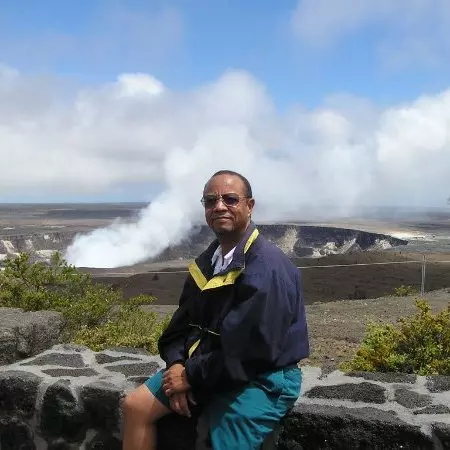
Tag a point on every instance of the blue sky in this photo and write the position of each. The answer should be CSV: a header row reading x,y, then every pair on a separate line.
x,y
342,56
203,39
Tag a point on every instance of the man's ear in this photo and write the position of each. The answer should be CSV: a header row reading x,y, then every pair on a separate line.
x,y
251,204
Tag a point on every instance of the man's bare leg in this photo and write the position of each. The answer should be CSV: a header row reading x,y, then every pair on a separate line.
x,y
141,411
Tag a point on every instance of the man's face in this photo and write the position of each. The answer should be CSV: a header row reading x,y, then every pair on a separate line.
x,y
223,218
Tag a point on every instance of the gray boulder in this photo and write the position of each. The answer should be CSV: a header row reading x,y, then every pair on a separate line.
x,y
62,414
24,334
18,393
327,427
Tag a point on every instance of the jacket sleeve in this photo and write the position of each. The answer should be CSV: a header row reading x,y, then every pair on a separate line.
x,y
252,334
171,344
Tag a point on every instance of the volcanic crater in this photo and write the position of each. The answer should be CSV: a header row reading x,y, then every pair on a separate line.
x,y
294,240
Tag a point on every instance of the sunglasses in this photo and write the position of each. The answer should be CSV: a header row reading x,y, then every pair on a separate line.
x,y
209,201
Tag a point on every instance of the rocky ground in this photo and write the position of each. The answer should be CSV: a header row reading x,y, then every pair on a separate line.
x,y
337,328
340,301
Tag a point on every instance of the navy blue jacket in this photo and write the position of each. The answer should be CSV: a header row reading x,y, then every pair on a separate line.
x,y
248,319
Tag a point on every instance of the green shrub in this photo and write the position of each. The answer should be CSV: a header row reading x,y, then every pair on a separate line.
x,y
418,344
56,286
404,291
94,313
130,327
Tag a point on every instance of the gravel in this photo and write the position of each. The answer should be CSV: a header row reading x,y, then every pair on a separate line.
x,y
336,328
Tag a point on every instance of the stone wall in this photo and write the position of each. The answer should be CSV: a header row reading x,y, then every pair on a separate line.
x,y
67,397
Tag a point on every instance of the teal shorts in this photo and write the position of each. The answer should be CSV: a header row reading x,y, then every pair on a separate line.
x,y
242,418
154,385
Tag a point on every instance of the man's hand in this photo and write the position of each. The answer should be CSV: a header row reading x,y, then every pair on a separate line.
x,y
174,380
179,403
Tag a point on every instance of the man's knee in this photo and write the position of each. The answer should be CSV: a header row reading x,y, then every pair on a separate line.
x,y
132,404
142,406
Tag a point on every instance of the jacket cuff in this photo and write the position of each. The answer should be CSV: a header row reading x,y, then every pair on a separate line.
x,y
191,371
178,361
174,357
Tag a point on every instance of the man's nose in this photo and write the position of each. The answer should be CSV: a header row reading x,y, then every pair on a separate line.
x,y
220,204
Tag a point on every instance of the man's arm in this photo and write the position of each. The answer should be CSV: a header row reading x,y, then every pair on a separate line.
x,y
252,334
171,344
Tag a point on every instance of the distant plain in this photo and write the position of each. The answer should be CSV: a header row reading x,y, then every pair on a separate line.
x,y
428,233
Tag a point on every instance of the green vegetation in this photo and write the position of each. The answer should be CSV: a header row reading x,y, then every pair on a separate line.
x,y
418,344
404,291
128,326
95,314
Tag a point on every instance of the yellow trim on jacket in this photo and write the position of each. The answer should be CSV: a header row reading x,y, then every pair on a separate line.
x,y
219,280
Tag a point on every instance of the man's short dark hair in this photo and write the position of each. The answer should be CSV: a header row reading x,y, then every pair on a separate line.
x,y
248,188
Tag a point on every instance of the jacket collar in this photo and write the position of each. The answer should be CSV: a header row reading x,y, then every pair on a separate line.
x,y
203,261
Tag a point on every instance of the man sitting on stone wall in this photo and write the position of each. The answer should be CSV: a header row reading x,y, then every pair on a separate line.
x,y
232,347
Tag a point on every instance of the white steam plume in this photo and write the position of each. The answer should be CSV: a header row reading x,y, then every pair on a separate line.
x,y
342,155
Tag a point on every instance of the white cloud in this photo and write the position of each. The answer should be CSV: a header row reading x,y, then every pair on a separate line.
x,y
408,32
136,130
